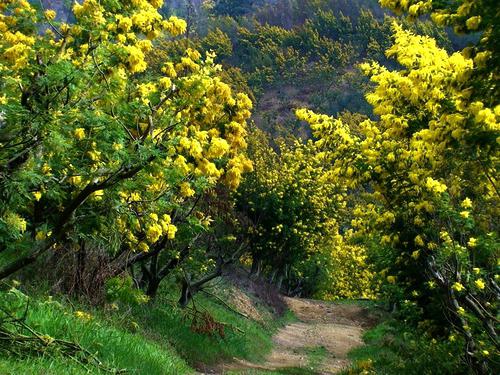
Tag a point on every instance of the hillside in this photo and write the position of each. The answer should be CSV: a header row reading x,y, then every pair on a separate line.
x,y
145,338
282,45
317,31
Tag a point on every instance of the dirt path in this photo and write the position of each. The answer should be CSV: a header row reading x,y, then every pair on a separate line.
x,y
319,342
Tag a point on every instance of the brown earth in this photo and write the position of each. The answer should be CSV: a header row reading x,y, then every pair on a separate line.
x,y
333,328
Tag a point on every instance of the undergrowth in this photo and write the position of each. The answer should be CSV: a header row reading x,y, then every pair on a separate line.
x,y
392,348
242,337
152,338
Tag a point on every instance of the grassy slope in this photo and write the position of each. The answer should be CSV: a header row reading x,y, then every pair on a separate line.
x,y
115,346
162,344
249,339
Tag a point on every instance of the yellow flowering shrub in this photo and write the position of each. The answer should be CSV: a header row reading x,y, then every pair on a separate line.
x,y
295,208
464,16
97,147
424,174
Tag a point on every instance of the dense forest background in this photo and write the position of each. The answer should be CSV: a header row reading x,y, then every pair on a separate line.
x,y
280,46
272,48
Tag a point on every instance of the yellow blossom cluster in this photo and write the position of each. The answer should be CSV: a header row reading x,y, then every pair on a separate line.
x,y
466,11
348,274
297,206
83,315
465,16
423,173
16,47
16,222
130,148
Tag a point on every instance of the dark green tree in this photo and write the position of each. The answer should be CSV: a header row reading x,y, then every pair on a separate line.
x,y
234,8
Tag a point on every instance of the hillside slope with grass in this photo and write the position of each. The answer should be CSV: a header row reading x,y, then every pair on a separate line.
x,y
241,327
153,338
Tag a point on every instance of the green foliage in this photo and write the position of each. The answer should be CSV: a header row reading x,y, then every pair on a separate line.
x,y
243,338
271,54
219,42
392,348
233,8
122,289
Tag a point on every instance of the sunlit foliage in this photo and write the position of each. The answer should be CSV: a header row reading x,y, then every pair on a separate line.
x,y
296,209
94,146
427,173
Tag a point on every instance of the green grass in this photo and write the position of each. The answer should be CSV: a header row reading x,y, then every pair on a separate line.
x,y
46,366
115,346
147,339
316,356
374,347
392,348
244,338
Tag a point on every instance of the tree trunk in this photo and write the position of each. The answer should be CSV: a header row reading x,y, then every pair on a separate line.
x,y
279,280
81,257
186,295
256,267
273,276
152,289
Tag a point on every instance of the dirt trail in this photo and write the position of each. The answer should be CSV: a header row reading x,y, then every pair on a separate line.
x,y
326,328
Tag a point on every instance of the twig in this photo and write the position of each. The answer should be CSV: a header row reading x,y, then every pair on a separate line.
x,y
225,304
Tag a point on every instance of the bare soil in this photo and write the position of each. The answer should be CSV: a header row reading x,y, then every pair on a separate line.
x,y
333,328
